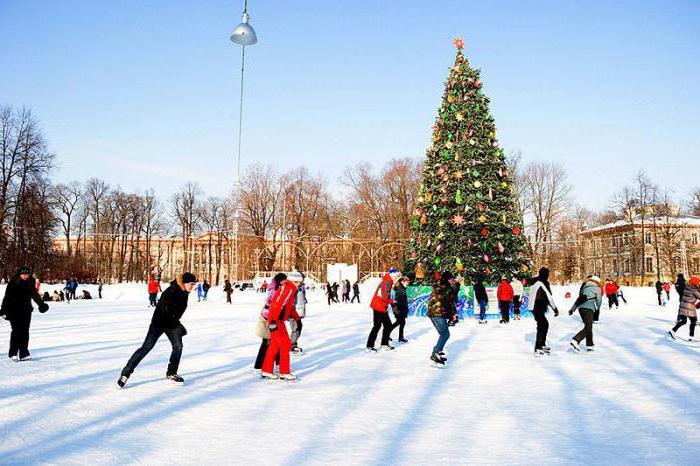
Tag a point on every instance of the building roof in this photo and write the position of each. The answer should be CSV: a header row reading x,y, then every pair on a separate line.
x,y
681,220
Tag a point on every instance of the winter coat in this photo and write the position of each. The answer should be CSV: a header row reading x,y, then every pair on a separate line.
x,y
540,297
171,306
206,287
271,289
153,286
346,287
480,292
356,288
282,304
517,286
680,284
659,287
227,287
300,301
505,292
19,295
382,297
667,287
688,300
593,296
611,289
441,303
400,305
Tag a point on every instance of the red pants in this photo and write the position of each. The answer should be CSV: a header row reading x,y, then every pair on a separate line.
x,y
279,343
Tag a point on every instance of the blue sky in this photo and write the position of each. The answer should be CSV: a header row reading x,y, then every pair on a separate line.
x,y
145,93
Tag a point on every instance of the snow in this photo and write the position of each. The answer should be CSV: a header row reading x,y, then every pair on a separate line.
x,y
633,401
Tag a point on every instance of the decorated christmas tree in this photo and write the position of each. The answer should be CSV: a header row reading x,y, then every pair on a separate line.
x,y
465,220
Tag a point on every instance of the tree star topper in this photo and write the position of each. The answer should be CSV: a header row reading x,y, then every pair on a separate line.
x,y
459,43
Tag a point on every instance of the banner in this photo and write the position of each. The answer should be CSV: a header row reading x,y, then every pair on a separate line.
x,y
418,297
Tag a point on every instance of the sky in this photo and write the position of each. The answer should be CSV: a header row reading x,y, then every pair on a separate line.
x,y
144,94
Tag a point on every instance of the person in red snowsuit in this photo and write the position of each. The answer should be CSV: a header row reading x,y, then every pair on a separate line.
x,y
153,289
380,305
505,294
611,293
281,309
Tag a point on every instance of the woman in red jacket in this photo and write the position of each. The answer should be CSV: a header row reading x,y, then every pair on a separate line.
x,y
505,297
380,304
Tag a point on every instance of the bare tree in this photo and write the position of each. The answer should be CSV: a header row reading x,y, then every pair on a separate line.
x,y
187,212
65,199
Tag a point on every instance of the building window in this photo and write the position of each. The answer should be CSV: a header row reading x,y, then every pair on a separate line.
x,y
694,238
649,266
647,237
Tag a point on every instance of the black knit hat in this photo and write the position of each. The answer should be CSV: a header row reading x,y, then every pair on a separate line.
x,y
23,270
188,277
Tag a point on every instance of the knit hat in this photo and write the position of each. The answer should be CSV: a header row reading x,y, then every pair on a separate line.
x,y
594,278
295,276
23,270
188,277
695,281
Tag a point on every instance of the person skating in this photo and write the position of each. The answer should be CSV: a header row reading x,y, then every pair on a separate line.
x,y
667,289
346,291
680,285
355,292
620,294
228,289
335,292
17,308
262,330
329,293
442,311
205,290
687,311
99,289
539,299
400,307
281,309
379,305
588,301
482,298
166,320
153,290
504,294
611,293
300,303
199,291
518,291
659,290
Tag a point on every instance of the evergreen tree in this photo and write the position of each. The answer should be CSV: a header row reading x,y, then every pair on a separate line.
x,y
465,220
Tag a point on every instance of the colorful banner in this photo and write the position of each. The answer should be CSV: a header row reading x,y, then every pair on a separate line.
x,y
418,297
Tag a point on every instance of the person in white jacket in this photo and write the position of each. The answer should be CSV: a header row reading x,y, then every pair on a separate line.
x,y
518,290
540,298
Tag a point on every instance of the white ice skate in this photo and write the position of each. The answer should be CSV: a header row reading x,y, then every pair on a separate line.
x,y
269,375
288,377
574,345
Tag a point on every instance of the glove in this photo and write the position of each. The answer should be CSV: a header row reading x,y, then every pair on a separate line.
x,y
272,326
43,307
556,313
571,312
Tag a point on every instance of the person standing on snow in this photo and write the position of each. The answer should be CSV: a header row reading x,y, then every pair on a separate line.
x,y
346,291
687,311
261,330
518,290
99,289
680,285
659,290
17,308
281,309
355,292
379,305
166,320
504,294
228,289
300,302
611,294
153,289
199,291
442,311
205,290
667,289
540,298
400,307
588,301
482,298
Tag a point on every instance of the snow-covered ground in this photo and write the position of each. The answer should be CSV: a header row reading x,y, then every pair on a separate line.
x,y
633,401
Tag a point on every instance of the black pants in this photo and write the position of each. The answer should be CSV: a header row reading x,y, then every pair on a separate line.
x,y
587,330
658,295
355,296
330,299
228,297
381,319
516,305
152,298
504,306
400,323
154,333
262,351
622,297
19,337
612,299
596,316
682,321
542,329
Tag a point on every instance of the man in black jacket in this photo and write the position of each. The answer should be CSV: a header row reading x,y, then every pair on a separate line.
x,y
17,308
166,319
481,297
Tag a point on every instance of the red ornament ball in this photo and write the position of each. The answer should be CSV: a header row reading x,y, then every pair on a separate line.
x,y
484,232
516,231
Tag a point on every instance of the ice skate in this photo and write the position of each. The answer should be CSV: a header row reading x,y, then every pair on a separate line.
x,y
288,377
388,348
574,345
176,379
269,375
122,381
437,361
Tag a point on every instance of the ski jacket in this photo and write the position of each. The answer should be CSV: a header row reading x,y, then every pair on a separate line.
x,y
300,301
227,287
690,296
667,287
171,306
153,286
356,288
505,292
659,287
206,287
382,297
480,292
610,289
282,304
517,286
19,295
591,292
400,305
680,284
540,297
441,303
271,289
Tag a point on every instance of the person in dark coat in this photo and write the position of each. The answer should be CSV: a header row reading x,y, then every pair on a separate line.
x,y
355,292
482,298
659,290
680,285
166,320
442,311
17,308
205,289
400,307
687,310
228,289
539,300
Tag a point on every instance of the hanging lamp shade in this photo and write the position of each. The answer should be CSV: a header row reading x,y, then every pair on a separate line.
x,y
244,34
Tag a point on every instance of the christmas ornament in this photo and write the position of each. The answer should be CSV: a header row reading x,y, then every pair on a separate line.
x,y
500,248
516,231
459,43
458,175
484,232
458,265
486,258
482,218
458,220
420,270
438,248
477,184
458,197
437,262
441,223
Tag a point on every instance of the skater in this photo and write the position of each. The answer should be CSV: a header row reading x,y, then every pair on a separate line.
x,y
46,296
262,330
199,291
205,290
329,293
540,298
400,307
263,287
17,308
281,309
687,311
67,290
588,301
355,292
505,294
228,289
153,289
379,305
300,302
99,289
166,320
659,290
680,285
441,310
335,292
667,289
611,294
620,294
62,295
481,298
518,290
346,291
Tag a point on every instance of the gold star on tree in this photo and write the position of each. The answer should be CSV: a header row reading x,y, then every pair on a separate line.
x,y
458,220
459,175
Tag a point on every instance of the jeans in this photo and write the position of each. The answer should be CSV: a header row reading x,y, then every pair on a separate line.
x,y
154,333
504,306
542,329
380,319
228,297
587,330
19,337
152,298
440,324
681,322
483,304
